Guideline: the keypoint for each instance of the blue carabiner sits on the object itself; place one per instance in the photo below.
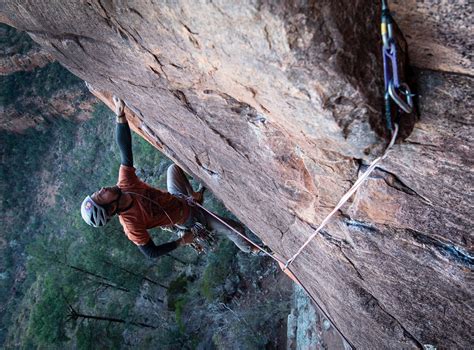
(395, 91)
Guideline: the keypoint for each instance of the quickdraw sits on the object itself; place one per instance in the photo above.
(204, 241)
(395, 91)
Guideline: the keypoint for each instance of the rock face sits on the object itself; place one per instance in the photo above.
(276, 107)
(439, 33)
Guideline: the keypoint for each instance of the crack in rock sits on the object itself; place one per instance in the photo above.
(352, 264)
(371, 303)
(450, 251)
(394, 181)
(210, 172)
(181, 96)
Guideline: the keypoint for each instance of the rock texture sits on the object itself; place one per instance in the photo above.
(275, 106)
(440, 33)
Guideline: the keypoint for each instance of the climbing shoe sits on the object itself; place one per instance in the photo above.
(199, 195)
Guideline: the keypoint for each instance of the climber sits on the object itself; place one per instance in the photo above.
(141, 207)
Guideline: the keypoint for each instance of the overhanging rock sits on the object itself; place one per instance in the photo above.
(276, 107)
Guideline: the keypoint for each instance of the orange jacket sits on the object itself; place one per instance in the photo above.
(148, 211)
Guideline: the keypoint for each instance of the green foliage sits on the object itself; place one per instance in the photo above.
(43, 82)
(151, 165)
(14, 41)
(179, 305)
(218, 268)
(164, 268)
(48, 317)
(176, 289)
(177, 299)
(91, 335)
(54, 150)
(29, 150)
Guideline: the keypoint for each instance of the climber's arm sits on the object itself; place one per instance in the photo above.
(153, 251)
(123, 134)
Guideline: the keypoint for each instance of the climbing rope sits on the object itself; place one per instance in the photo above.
(326, 315)
(341, 202)
(240, 234)
(348, 195)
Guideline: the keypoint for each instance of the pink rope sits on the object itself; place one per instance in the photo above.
(240, 234)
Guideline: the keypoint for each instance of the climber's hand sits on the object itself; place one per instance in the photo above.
(89, 86)
(119, 106)
(187, 238)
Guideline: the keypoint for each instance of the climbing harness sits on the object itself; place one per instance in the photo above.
(239, 233)
(395, 91)
(205, 241)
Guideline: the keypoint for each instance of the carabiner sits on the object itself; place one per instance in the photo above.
(407, 106)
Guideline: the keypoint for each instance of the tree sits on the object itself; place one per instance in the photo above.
(75, 315)
(47, 323)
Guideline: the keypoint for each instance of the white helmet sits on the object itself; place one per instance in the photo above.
(94, 214)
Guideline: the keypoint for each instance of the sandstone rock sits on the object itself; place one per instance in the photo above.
(440, 33)
(276, 107)
(33, 90)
